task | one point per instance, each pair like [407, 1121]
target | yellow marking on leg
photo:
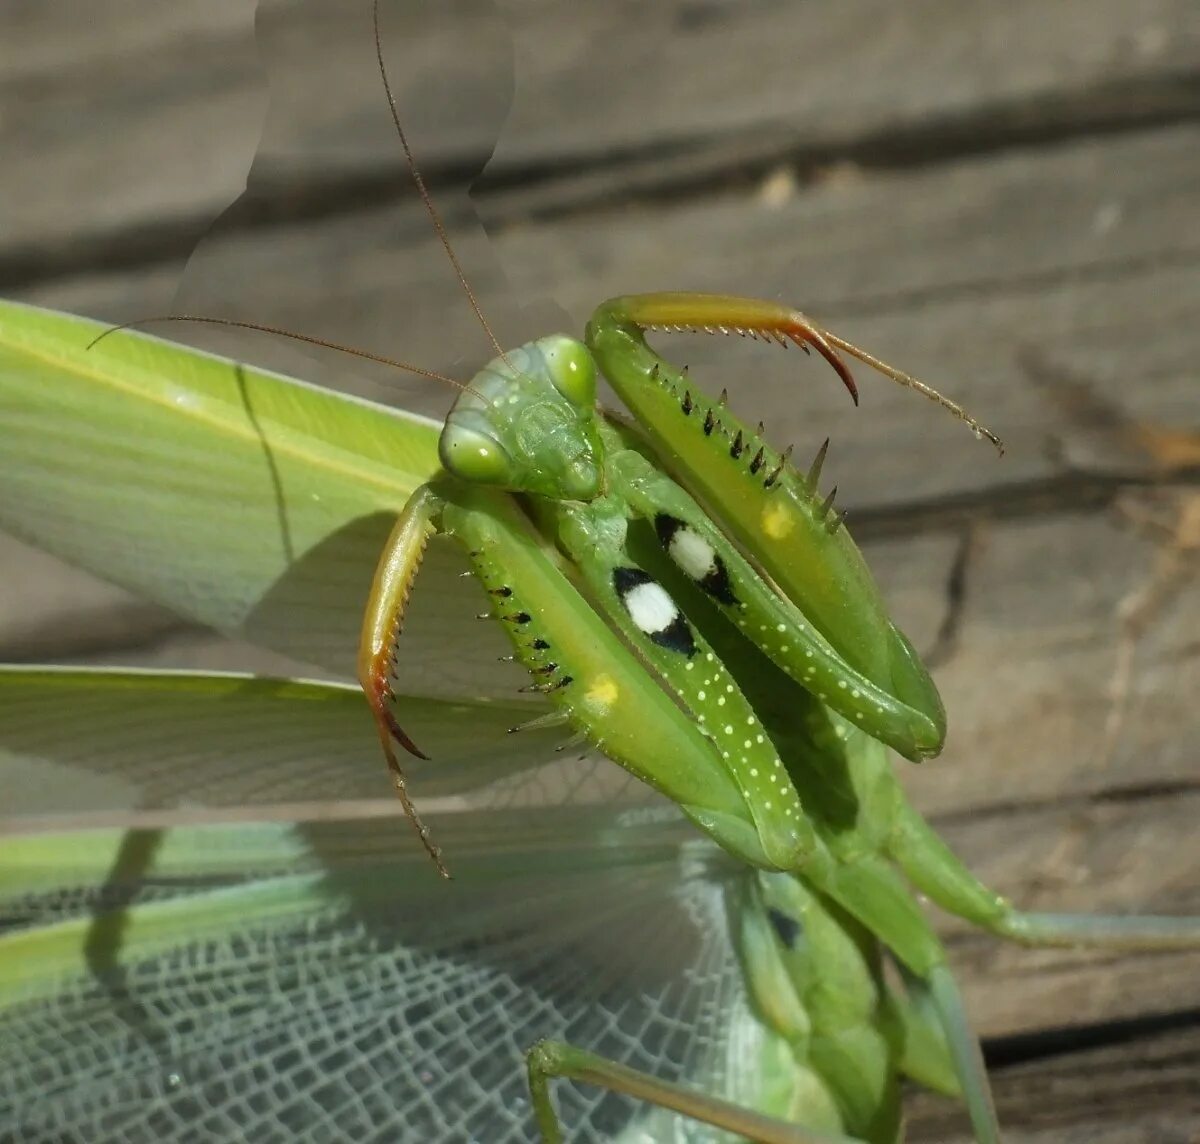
[602, 694]
[777, 521]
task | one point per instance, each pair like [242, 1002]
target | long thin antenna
[425, 196]
[205, 320]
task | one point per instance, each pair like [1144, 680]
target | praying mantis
[790, 885]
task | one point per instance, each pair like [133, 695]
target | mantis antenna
[280, 332]
[426, 198]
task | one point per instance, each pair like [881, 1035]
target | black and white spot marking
[695, 557]
[653, 611]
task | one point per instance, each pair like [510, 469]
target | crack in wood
[977, 813]
[1043, 1044]
[1070, 493]
[945, 642]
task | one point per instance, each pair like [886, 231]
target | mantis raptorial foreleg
[772, 511]
[777, 625]
[382, 621]
[581, 664]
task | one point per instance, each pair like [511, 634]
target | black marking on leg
[539, 644]
[757, 461]
[653, 611]
[547, 688]
[519, 618]
[709, 422]
[706, 568]
[666, 526]
[504, 592]
[686, 403]
[735, 450]
[786, 928]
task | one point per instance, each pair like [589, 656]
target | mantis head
[527, 423]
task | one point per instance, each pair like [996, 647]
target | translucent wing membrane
[107, 742]
[341, 992]
[308, 978]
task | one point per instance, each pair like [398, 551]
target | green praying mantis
[691, 606]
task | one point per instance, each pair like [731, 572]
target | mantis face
[527, 423]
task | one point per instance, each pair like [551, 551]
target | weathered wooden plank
[1040, 626]
[969, 273]
[990, 274]
[1140, 1090]
[1105, 854]
[144, 121]
[1028, 678]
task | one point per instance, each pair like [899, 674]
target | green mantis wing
[302, 979]
[251, 503]
[69, 744]
[341, 993]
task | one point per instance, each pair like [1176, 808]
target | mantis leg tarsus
[400, 786]
[1113, 931]
[729, 314]
[964, 1049]
[550, 1059]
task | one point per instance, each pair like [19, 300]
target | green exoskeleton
[529, 424]
[756, 684]
[692, 606]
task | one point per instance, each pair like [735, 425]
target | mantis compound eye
[571, 368]
[474, 455]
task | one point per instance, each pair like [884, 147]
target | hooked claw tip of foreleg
[398, 733]
[814, 338]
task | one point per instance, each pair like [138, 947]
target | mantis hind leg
[550, 1059]
[938, 872]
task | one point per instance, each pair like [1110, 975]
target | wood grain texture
[123, 120]
[1002, 198]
